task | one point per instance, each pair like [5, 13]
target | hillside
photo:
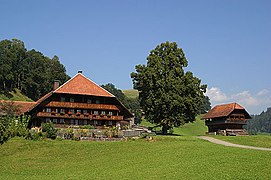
[260, 123]
[15, 95]
[190, 129]
[131, 93]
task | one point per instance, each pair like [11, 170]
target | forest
[29, 71]
[260, 123]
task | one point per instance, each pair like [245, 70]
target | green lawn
[178, 157]
[253, 140]
[195, 128]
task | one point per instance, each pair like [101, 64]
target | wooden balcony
[74, 105]
[79, 116]
[236, 121]
[228, 121]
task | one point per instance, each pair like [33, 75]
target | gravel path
[217, 141]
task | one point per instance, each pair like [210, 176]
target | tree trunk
[164, 129]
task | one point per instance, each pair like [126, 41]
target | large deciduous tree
[168, 95]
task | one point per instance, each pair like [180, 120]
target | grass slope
[15, 95]
[131, 93]
[195, 128]
[254, 140]
[166, 158]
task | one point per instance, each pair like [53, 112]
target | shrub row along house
[227, 119]
[79, 101]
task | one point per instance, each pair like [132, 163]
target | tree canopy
[206, 105]
[168, 95]
[29, 71]
[116, 92]
[131, 103]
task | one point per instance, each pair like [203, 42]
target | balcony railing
[79, 116]
[217, 122]
[81, 105]
[236, 121]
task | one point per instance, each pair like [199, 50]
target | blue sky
[227, 42]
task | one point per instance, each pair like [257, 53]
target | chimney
[80, 71]
[56, 84]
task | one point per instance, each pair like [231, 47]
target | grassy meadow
[195, 128]
[176, 157]
[131, 93]
[255, 140]
[181, 156]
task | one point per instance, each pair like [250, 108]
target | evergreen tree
[260, 123]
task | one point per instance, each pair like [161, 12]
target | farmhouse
[78, 102]
[227, 119]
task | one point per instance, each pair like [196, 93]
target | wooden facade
[227, 119]
[78, 102]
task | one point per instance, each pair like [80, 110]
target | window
[72, 110]
[95, 122]
[85, 122]
[48, 110]
[54, 121]
[62, 121]
[110, 123]
[47, 120]
[98, 102]
[99, 123]
[85, 111]
[71, 100]
[62, 99]
[78, 110]
[110, 113]
[96, 112]
[62, 111]
[103, 112]
[56, 110]
[89, 101]
[72, 121]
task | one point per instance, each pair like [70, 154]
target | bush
[66, 133]
[50, 131]
[34, 135]
[4, 130]
[11, 126]
[111, 132]
[86, 127]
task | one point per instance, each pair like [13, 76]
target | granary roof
[225, 110]
[79, 84]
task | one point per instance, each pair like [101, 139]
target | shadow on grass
[169, 134]
[6, 93]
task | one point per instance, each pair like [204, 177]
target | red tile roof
[22, 105]
[79, 84]
[225, 110]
